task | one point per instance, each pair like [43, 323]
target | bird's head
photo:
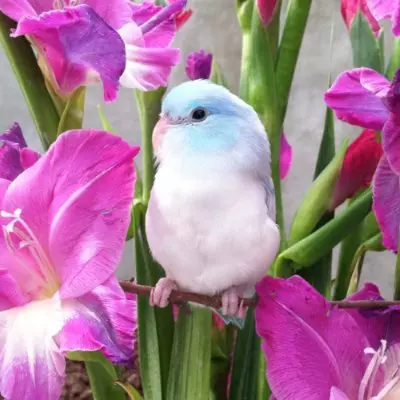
[200, 120]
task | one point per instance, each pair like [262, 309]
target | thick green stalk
[149, 107]
[394, 62]
[190, 369]
[30, 78]
[289, 49]
[310, 249]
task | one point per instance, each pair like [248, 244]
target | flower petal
[387, 9]
[76, 44]
[17, 9]
[10, 292]
[310, 347]
[358, 167]
[286, 157]
[115, 13]
[356, 97]
[337, 394]
[148, 68]
[13, 142]
[386, 204]
[267, 9]
[350, 8]
[77, 199]
[198, 65]
[162, 35]
[28, 157]
[103, 319]
[30, 353]
[391, 143]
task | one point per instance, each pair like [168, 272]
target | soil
[76, 385]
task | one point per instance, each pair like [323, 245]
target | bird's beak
[160, 130]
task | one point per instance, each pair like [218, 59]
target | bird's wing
[270, 196]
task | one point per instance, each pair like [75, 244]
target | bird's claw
[160, 294]
[230, 303]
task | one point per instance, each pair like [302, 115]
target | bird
[210, 221]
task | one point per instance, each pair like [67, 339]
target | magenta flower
[15, 156]
[387, 9]
[359, 166]
[365, 98]
[83, 41]
[286, 157]
[64, 224]
[198, 65]
[267, 9]
[349, 10]
[316, 352]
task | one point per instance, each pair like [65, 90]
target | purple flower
[365, 98]
[316, 352]
[198, 65]
[64, 223]
[84, 41]
[387, 9]
[286, 157]
[15, 156]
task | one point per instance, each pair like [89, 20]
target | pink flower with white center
[64, 223]
[365, 98]
[112, 41]
[318, 352]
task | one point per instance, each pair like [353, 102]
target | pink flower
[359, 165]
[83, 41]
[387, 9]
[365, 98]
[286, 157]
[64, 223]
[15, 156]
[318, 352]
[267, 9]
[349, 10]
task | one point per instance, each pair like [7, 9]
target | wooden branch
[180, 298]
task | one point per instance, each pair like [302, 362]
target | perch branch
[180, 298]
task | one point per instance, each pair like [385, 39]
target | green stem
[289, 49]
[394, 62]
[29, 76]
[149, 107]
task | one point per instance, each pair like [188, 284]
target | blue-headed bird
[211, 215]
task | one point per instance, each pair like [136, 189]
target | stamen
[165, 14]
[58, 4]
[45, 275]
[368, 380]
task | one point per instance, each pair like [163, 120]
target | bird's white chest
[211, 231]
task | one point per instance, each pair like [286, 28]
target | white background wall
[214, 28]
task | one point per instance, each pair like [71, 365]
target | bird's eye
[199, 114]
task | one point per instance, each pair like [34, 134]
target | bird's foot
[159, 295]
[230, 302]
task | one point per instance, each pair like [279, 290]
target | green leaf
[217, 75]
[29, 76]
[289, 49]
[102, 375]
[246, 369]
[366, 49]
[149, 108]
[191, 356]
[374, 243]
[310, 249]
[132, 393]
[72, 116]
[156, 325]
[317, 200]
[104, 121]
[394, 62]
